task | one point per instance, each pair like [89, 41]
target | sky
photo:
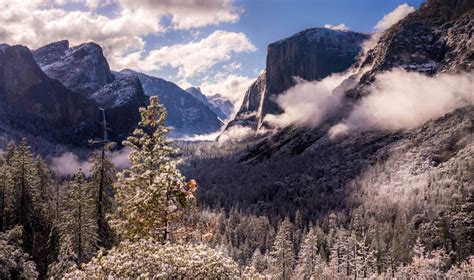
[218, 45]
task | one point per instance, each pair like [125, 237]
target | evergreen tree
[309, 262]
[282, 257]
[258, 261]
[26, 185]
[67, 259]
[78, 220]
[4, 174]
[363, 263]
[102, 179]
[338, 259]
[151, 194]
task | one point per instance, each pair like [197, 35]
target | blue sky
[219, 45]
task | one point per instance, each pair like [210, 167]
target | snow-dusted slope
[185, 113]
[219, 105]
[82, 69]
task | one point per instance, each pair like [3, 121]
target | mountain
[85, 70]
[121, 100]
[219, 105]
[82, 69]
[311, 54]
[431, 40]
[185, 113]
[222, 103]
[32, 101]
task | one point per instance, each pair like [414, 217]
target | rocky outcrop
[31, 100]
[311, 54]
[82, 69]
[248, 115]
[121, 100]
[436, 38]
[186, 114]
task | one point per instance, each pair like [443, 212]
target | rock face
[186, 114]
[436, 38]
[82, 69]
[311, 54]
[33, 101]
[120, 99]
[248, 115]
[217, 104]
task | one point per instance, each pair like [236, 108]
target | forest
[148, 221]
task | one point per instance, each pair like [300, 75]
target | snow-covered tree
[25, 194]
[67, 259]
[365, 262]
[14, 262]
[338, 258]
[102, 179]
[147, 259]
[309, 262]
[465, 270]
[282, 256]
[5, 184]
[423, 265]
[258, 261]
[78, 224]
[151, 194]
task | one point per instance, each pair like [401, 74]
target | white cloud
[340, 27]
[187, 14]
[236, 133]
[309, 103]
[404, 100]
[120, 158]
[192, 58]
[68, 164]
[121, 32]
[196, 57]
[394, 16]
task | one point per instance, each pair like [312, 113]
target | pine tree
[67, 259]
[258, 261]
[365, 262]
[26, 190]
[45, 182]
[78, 220]
[309, 262]
[338, 259]
[102, 179]
[3, 189]
[151, 195]
[282, 257]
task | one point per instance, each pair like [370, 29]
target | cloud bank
[69, 163]
[340, 27]
[309, 103]
[404, 100]
[393, 17]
